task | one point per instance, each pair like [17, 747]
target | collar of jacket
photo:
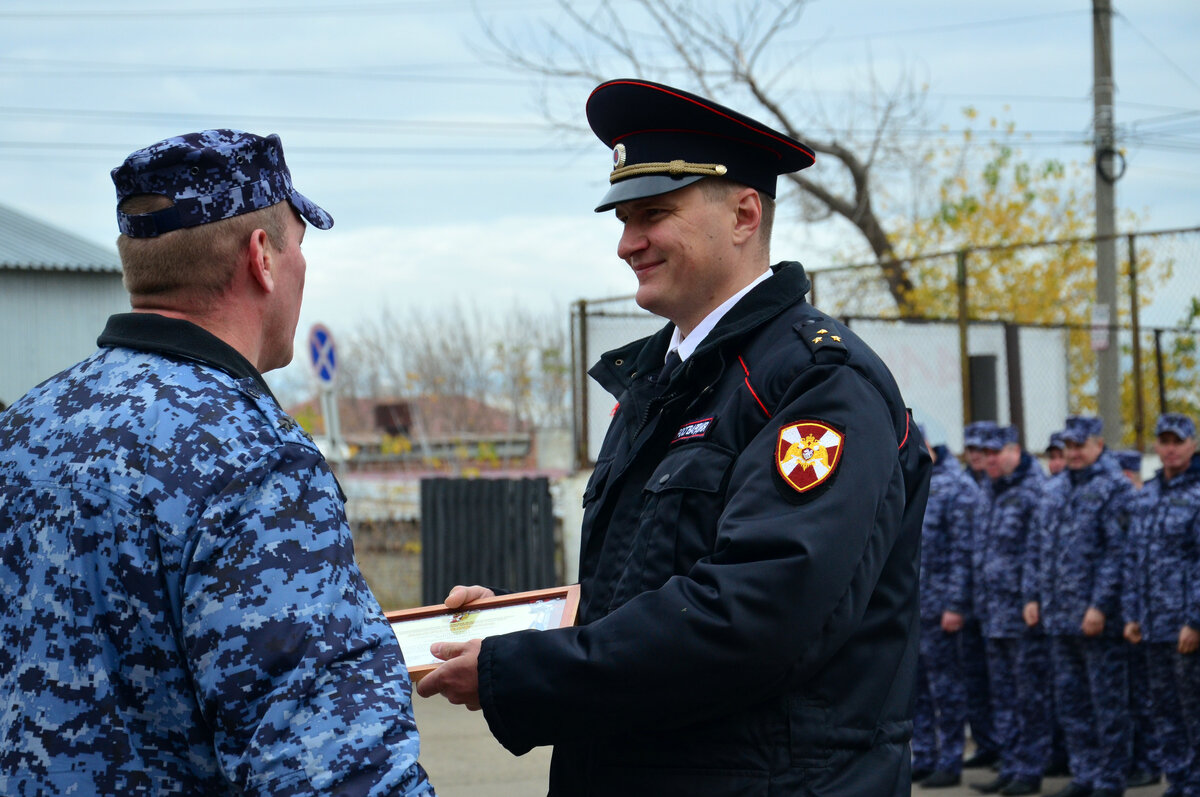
[178, 339]
[617, 369]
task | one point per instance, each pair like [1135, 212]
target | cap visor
[312, 213]
[642, 187]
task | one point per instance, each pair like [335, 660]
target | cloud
[539, 263]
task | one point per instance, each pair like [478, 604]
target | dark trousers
[1020, 703]
[1091, 692]
[940, 723]
[979, 696]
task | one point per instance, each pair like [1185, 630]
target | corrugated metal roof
[29, 244]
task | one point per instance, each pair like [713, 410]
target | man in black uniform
[748, 621]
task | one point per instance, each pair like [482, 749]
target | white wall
[49, 320]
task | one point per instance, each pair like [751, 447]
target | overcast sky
[436, 165]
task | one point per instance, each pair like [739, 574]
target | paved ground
[463, 760]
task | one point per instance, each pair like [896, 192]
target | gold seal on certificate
[538, 610]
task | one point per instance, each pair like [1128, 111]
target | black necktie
[673, 361]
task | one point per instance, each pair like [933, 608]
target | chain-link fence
[1010, 333]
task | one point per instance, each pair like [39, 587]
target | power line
[362, 151]
[1157, 49]
[466, 127]
[158, 12]
[954, 26]
[103, 69]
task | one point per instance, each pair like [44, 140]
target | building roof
[29, 244]
[435, 417]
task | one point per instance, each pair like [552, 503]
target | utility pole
[1109, 167]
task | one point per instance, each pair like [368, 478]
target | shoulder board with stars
[821, 337]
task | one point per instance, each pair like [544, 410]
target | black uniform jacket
[736, 635]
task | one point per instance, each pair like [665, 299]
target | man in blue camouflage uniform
[974, 649]
[1056, 461]
[1161, 598]
[182, 612]
[1018, 656]
[941, 714]
[1056, 465]
[1144, 754]
[1130, 463]
[1073, 589]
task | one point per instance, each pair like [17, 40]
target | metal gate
[495, 532]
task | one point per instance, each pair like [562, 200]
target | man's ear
[748, 207]
[260, 261]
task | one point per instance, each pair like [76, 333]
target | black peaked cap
[664, 138]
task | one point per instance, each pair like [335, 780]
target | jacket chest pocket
[681, 505]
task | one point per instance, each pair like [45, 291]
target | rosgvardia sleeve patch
[807, 454]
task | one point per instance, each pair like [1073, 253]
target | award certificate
[417, 629]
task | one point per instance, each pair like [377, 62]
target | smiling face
[683, 248]
[1176, 454]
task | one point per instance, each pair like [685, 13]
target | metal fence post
[1158, 368]
[964, 358]
[579, 391]
[1016, 392]
[1139, 404]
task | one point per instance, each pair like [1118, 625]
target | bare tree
[533, 373]
[515, 361]
[731, 48]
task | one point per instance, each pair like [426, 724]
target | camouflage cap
[209, 176]
[1130, 460]
[1056, 441]
[974, 432]
[994, 438]
[1176, 423]
[1080, 427]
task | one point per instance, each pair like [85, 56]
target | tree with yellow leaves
[1026, 227]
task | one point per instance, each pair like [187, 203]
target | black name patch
[693, 430]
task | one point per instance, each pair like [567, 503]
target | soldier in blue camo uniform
[938, 729]
[182, 612]
[1073, 586]
[1018, 656]
[974, 649]
[1161, 598]
[1056, 464]
[1055, 459]
[1144, 769]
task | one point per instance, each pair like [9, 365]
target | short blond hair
[195, 262]
[715, 188]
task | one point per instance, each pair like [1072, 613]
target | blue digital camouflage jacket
[1003, 530]
[946, 538]
[1162, 584]
[181, 610]
[1079, 550]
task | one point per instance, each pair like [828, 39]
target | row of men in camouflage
[1060, 614]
